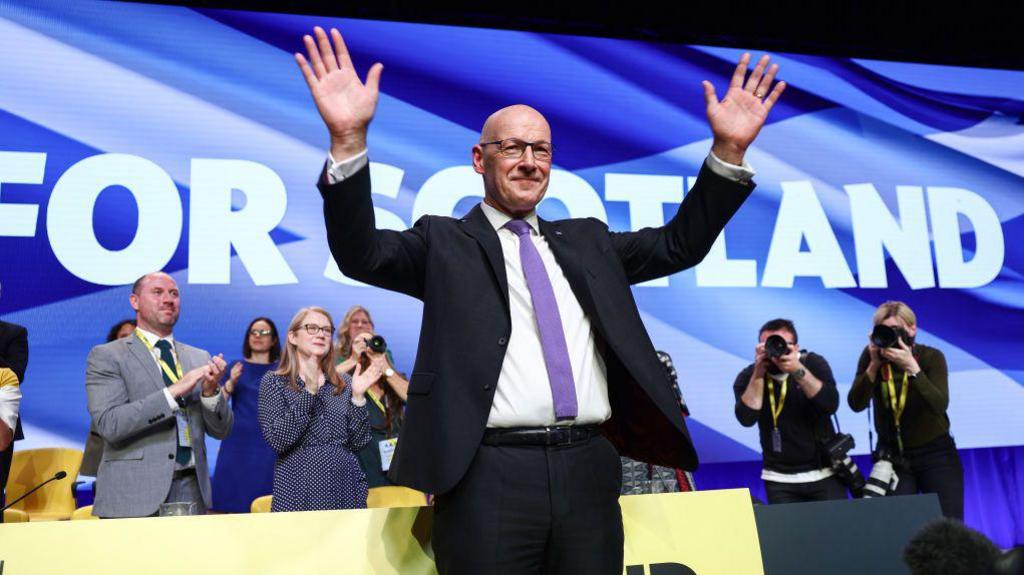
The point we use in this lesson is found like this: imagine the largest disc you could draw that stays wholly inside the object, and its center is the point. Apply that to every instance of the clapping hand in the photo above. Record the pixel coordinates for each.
(215, 371)
(362, 380)
(736, 119)
(233, 377)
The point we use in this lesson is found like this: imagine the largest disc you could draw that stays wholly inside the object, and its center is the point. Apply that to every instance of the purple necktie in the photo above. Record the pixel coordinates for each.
(549, 323)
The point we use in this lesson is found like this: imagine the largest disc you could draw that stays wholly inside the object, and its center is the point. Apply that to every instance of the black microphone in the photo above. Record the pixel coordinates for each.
(56, 477)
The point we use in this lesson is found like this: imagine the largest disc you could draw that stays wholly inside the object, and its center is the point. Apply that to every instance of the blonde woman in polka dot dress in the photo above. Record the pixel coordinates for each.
(315, 420)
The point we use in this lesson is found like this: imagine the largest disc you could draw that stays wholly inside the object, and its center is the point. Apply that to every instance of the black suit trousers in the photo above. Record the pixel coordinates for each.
(527, 509)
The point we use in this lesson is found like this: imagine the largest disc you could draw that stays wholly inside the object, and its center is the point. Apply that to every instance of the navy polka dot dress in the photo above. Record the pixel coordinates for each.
(315, 438)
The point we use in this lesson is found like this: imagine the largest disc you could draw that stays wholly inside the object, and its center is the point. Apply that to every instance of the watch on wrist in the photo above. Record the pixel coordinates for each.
(799, 374)
(389, 372)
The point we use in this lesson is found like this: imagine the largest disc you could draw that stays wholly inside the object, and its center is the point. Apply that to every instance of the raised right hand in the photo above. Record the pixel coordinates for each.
(235, 375)
(362, 380)
(760, 361)
(359, 345)
(345, 103)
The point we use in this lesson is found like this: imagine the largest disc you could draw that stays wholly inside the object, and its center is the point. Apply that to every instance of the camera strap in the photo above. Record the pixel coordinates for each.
(897, 405)
(376, 401)
(776, 408)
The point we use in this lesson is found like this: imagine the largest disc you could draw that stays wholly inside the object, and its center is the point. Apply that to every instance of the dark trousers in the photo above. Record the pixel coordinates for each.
(822, 490)
(934, 468)
(5, 470)
(527, 509)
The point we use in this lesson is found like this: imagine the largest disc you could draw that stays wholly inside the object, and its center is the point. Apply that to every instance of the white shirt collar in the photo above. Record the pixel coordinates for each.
(152, 338)
(498, 219)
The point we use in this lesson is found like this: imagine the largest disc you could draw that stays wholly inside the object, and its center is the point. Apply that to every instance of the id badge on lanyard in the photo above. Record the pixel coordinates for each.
(387, 452)
(184, 431)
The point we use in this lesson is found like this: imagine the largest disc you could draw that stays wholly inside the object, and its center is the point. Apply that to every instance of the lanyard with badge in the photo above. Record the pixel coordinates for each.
(897, 405)
(776, 409)
(386, 447)
(184, 432)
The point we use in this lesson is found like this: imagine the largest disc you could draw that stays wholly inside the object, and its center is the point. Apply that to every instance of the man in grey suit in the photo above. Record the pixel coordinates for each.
(153, 400)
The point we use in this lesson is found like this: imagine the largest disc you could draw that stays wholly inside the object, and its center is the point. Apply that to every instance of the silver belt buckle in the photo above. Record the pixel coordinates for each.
(568, 435)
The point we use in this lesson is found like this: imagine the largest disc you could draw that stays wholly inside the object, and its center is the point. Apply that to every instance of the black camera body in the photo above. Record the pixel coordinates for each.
(837, 449)
(886, 336)
(775, 346)
(377, 344)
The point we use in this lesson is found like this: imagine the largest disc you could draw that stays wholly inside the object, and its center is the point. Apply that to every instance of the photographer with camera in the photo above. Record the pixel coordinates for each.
(358, 345)
(908, 383)
(790, 395)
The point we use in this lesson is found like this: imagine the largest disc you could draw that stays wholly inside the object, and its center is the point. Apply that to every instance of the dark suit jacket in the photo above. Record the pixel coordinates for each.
(455, 266)
(14, 355)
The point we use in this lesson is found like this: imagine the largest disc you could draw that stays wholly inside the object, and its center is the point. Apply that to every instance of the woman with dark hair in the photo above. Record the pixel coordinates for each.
(315, 419)
(245, 465)
(908, 383)
(123, 328)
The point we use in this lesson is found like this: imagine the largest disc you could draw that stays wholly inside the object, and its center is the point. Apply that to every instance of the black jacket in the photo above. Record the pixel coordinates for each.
(455, 266)
(803, 422)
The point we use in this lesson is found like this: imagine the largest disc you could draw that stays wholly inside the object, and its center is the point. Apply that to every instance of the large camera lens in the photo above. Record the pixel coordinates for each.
(884, 336)
(377, 344)
(775, 346)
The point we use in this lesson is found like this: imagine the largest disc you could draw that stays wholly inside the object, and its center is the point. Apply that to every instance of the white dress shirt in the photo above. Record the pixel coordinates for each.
(208, 403)
(523, 393)
(10, 397)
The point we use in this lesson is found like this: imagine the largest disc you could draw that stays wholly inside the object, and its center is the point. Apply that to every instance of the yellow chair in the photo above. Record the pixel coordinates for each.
(261, 504)
(83, 513)
(55, 501)
(15, 516)
(395, 496)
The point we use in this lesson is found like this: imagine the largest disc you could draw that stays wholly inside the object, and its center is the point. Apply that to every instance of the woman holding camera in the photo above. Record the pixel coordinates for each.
(358, 345)
(315, 420)
(908, 383)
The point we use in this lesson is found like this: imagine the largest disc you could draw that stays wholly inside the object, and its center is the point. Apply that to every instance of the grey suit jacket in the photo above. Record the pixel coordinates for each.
(125, 393)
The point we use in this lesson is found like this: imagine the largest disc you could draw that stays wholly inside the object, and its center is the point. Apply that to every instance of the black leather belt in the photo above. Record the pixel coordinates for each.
(543, 436)
(183, 473)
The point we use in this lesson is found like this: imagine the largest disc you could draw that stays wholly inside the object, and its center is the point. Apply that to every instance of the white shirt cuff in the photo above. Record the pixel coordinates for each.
(742, 174)
(359, 403)
(10, 399)
(210, 403)
(170, 400)
(339, 171)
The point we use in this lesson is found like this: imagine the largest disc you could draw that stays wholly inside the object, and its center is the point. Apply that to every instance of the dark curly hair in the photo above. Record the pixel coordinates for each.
(948, 547)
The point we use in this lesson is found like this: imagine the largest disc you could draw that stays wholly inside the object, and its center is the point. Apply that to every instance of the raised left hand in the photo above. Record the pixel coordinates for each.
(216, 367)
(902, 357)
(736, 119)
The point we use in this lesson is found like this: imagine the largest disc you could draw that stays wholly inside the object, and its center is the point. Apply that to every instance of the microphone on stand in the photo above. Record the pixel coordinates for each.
(56, 477)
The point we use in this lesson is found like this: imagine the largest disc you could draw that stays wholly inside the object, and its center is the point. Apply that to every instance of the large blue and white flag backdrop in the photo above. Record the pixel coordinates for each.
(139, 137)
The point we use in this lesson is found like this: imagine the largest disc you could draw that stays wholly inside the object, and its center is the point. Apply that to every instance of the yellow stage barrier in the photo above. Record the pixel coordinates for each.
(708, 532)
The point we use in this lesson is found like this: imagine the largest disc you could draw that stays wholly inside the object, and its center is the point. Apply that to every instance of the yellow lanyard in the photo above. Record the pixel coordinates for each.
(174, 377)
(771, 398)
(376, 401)
(897, 405)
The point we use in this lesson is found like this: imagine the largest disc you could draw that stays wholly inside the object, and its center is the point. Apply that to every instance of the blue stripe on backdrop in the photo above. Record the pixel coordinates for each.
(172, 85)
